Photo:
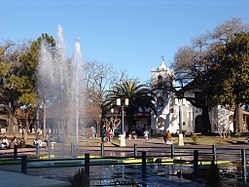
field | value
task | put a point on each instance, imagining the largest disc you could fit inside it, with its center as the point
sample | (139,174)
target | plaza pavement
(11,179)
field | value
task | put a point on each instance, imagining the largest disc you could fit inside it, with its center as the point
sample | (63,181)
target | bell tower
(161,78)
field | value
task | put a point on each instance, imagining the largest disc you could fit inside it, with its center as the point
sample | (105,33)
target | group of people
(8,144)
(167,136)
(134,135)
(38,140)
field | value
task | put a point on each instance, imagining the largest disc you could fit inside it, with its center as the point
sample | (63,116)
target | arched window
(160,101)
(160,81)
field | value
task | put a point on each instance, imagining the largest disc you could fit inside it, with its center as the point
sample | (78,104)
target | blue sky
(129,34)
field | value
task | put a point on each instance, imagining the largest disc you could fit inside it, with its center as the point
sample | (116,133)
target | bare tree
(112,123)
(99,78)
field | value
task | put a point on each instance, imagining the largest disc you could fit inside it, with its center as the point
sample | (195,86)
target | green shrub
(79,178)
(212,176)
(194,137)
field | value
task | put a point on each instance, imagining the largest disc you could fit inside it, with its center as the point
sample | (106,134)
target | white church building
(170,110)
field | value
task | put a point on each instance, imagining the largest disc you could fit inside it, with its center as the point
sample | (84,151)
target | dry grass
(200,140)
(211,140)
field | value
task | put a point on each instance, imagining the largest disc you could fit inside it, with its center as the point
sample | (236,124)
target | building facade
(170,110)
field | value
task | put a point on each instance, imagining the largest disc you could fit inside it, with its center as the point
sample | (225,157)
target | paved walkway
(11,179)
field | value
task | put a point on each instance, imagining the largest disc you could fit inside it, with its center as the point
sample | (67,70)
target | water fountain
(61,90)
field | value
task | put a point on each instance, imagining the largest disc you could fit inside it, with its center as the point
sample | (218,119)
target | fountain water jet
(61,88)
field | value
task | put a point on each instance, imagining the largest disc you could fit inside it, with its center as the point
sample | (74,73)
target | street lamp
(122,106)
(102,125)
(179,103)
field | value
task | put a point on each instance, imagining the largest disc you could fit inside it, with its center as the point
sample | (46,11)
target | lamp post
(122,106)
(179,103)
(102,125)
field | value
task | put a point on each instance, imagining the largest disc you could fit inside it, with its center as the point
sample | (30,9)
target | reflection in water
(130,175)
(123,175)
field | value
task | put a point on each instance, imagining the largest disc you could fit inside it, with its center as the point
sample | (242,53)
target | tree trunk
(130,119)
(238,119)
(206,126)
(27,129)
(12,125)
(25,134)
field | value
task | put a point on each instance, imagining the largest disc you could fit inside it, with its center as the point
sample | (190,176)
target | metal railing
(194,156)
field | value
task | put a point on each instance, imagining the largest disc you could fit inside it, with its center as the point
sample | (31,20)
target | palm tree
(139,96)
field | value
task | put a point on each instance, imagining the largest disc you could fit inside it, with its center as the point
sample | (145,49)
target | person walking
(168,137)
(146,134)
(5,143)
